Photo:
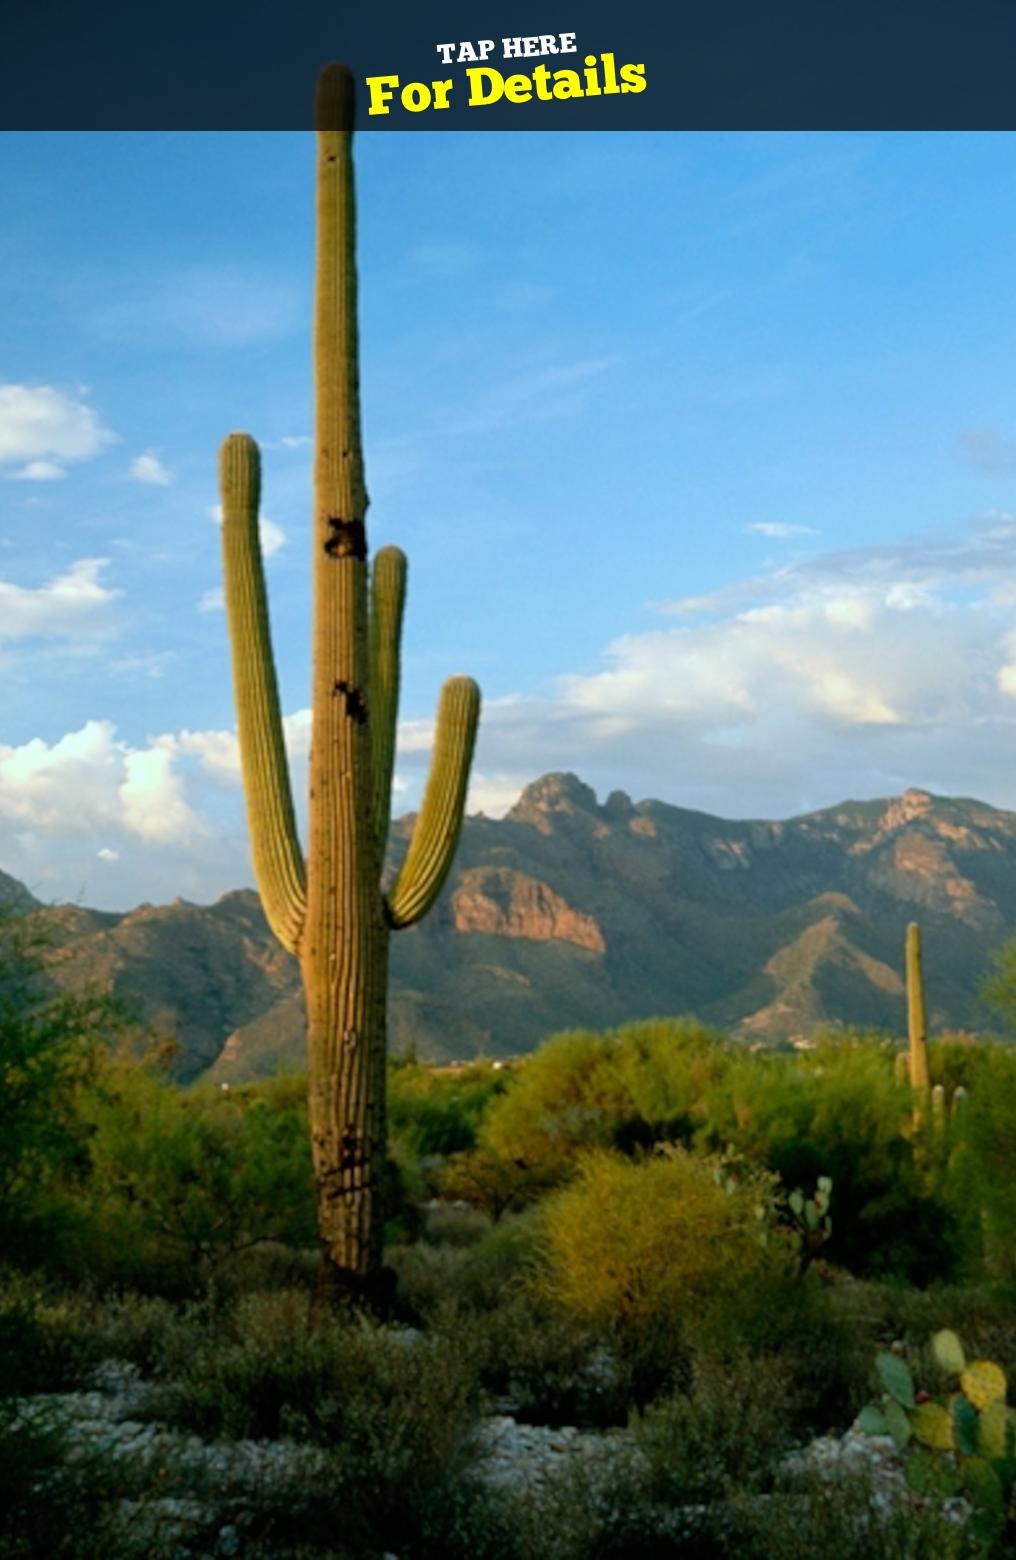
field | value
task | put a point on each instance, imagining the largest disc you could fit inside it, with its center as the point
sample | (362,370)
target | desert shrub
(49,1045)
(178,1178)
(640,1248)
(983,1171)
(394,1411)
(843,1515)
(627,1089)
(276,1364)
(877,1315)
(56,1505)
(838,1111)
(477,1277)
(726,1431)
(492,1182)
(454,1224)
(435,1112)
(47,1342)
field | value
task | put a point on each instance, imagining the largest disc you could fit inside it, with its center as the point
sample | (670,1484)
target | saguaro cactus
(331,912)
(916,1022)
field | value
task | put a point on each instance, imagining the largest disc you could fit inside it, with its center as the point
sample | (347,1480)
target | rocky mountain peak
(903,809)
(553,793)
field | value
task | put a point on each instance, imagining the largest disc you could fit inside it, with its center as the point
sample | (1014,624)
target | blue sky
(702,448)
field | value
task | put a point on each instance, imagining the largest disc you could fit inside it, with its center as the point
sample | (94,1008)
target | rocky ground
(187,1481)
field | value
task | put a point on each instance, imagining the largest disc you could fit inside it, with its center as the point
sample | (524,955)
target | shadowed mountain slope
(568,913)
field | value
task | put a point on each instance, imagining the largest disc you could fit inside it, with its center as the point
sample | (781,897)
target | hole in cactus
(356,709)
(348,539)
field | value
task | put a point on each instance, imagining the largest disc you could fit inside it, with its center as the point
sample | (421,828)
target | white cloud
(288,441)
(72,604)
(853,673)
(152,799)
(273,537)
(212,600)
(38,471)
(90,781)
(105,854)
(493,795)
(149,468)
(42,428)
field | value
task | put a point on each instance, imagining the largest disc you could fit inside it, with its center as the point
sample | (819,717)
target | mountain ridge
(569,912)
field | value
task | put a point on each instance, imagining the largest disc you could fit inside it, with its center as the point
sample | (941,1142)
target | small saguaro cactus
(330,911)
(917,1027)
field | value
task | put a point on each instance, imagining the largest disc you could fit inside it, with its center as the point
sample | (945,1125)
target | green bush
(432,1111)
(724,1433)
(628,1089)
(838,1111)
(983,1171)
(634,1245)
(49,1046)
(47,1341)
(179,1179)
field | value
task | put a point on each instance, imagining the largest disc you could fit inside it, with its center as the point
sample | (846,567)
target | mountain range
(568,913)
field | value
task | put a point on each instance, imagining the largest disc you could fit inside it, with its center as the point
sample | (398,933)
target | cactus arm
(275,846)
(388,596)
(440,819)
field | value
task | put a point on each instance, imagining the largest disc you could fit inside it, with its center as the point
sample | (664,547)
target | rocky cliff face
(567,912)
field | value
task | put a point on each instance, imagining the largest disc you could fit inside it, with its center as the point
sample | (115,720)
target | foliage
(628,1088)
(433,1111)
(838,1111)
(998,988)
(983,1171)
(49,1044)
(178,1177)
(723,1431)
(492,1182)
(634,1244)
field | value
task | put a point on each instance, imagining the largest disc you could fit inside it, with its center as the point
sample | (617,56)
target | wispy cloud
(778,529)
(200,306)
(72,604)
(149,468)
(988,450)
(288,441)
(539,394)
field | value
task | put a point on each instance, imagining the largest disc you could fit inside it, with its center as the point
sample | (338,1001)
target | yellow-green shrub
(633,1244)
(627,1088)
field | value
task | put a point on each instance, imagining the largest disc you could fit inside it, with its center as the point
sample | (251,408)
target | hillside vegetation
(630,1233)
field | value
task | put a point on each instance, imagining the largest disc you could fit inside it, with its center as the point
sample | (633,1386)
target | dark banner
(728,64)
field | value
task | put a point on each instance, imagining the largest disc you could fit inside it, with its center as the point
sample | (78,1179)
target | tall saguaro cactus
(917,1026)
(331,911)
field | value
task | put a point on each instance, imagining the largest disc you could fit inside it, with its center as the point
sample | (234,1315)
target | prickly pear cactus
(962,1442)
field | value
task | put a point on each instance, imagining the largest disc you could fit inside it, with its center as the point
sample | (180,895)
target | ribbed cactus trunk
(917,1027)
(343,951)
(332,912)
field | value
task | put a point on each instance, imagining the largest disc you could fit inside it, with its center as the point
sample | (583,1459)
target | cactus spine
(331,913)
(916,1023)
